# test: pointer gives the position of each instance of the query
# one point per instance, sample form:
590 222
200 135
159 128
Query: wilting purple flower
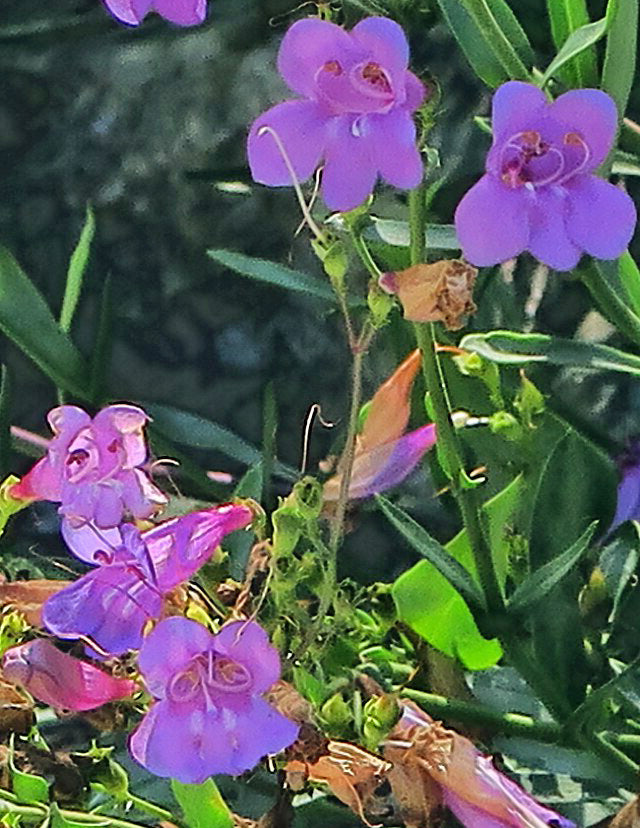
539 192
93 468
209 716
180 12
61 680
112 604
357 97
478 795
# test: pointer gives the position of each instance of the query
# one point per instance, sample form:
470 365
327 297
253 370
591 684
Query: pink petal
397 157
492 222
601 218
591 113
42 482
415 91
181 12
128 421
85 539
301 127
350 169
386 43
307 46
548 240
61 680
248 644
67 420
515 107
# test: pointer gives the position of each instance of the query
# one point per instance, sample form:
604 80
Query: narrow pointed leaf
435 553
202 805
75 273
541 582
509 348
27 320
575 45
619 68
565 17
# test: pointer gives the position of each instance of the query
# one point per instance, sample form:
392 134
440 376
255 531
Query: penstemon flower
180 12
540 192
94 468
357 97
112 603
61 680
209 716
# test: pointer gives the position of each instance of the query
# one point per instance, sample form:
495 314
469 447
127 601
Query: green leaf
5 419
575 46
198 432
75 272
431 606
629 275
238 544
542 580
59 820
274 274
619 68
566 16
491 38
510 348
202 805
26 319
625 163
418 537
396 233
101 353
8 505
28 787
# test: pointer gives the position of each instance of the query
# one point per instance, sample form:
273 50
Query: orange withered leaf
438 292
28 597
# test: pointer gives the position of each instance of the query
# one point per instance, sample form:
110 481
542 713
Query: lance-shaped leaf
437 555
202 805
541 582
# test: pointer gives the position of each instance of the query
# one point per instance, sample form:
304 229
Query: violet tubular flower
355 112
180 12
539 192
94 468
209 716
58 679
112 604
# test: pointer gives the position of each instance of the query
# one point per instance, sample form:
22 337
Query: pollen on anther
333 67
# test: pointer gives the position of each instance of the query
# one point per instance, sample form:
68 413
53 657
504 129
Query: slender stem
610 304
447 437
37 813
365 256
348 453
512 724
627 769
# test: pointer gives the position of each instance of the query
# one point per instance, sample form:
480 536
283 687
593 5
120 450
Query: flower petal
548 239
300 126
128 11
168 648
393 138
515 107
492 222
179 547
181 12
59 679
601 217
111 605
350 170
85 539
248 644
386 43
41 482
307 46
593 114
67 420
128 422
415 91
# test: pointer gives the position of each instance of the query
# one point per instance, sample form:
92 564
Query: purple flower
628 503
93 468
180 12
112 604
209 716
539 192
61 680
357 97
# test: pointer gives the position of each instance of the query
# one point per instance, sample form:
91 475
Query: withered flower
438 292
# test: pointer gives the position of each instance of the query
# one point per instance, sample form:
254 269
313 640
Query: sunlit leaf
202 805
565 16
75 273
575 45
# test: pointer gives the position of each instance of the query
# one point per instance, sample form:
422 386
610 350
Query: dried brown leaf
28 597
628 816
16 712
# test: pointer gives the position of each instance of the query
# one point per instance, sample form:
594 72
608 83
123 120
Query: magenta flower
180 12
61 680
539 192
628 501
93 468
209 716
357 97
112 604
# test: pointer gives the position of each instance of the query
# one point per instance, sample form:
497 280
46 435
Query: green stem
148 807
626 768
37 813
348 454
494 35
447 438
610 304
365 256
510 724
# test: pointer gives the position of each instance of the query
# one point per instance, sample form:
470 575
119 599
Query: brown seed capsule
438 292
